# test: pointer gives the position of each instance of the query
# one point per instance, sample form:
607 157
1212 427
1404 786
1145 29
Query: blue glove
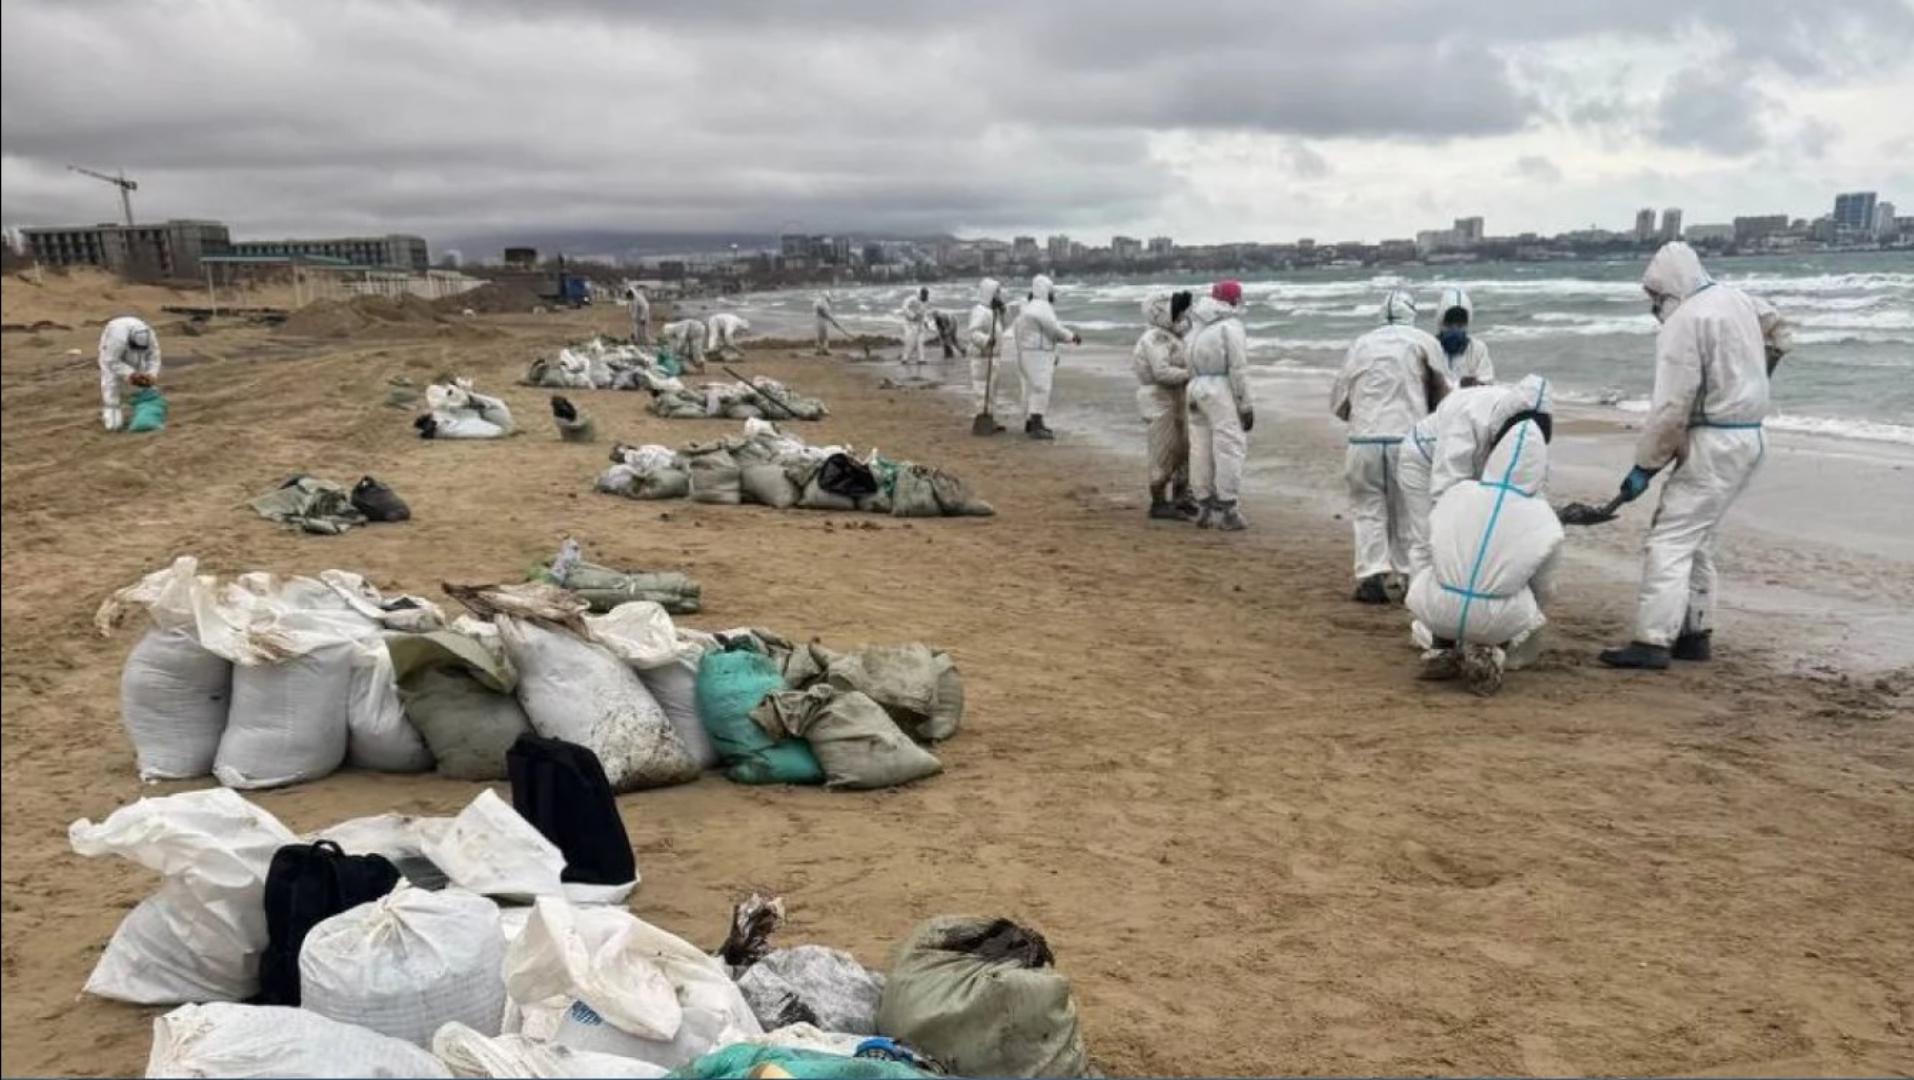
1636 482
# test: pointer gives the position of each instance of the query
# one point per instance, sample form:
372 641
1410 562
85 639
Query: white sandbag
198 938
223 1040
575 690
174 695
464 425
637 991
469 1054
675 687
408 963
379 736
810 1037
288 722
490 850
638 632
837 992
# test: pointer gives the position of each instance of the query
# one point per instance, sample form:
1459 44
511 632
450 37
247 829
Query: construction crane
127 187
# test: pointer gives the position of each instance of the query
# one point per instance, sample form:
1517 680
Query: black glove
563 409
1248 417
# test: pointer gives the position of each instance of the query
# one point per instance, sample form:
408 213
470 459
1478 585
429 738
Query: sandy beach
1255 842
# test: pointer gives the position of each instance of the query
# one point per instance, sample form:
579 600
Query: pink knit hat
1229 292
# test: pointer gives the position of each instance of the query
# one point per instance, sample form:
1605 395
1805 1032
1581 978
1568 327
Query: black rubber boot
1697 647
1164 510
1206 513
1038 430
1637 654
1371 590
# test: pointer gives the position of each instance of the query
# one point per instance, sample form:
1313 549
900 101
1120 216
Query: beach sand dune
1255 842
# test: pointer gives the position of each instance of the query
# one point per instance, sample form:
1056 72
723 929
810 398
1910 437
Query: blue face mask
1454 340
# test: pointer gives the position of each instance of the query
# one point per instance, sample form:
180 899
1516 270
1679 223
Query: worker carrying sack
983 997
306 885
561 789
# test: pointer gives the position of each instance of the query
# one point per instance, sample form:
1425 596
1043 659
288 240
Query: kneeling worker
129 355
1493 543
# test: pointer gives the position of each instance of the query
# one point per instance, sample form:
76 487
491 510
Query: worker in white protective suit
946 325
725 330
129 356
1162 368
1713 356
1220 411
987 329
1467 357
821 307
640 315
1391 378
1452 444
1036 334
1495 542
914 314
686 340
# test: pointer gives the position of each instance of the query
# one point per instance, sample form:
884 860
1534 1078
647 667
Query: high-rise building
1671 223
1854 211
1024 247
1645 224
1469 230
1883 220
1161 246
170 249
1752 229
1059 248
1708 234
1125 247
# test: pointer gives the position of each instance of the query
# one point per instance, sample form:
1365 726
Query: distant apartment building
394 249
1024 247
1671 223
1468 230
1125 247
1435 241
1753 229
1709 234
521 257
1161 246
165 250
1058 247
1854 211
1645 224
1884 220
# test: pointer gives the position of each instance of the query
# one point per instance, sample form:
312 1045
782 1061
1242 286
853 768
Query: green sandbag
149 411
468 727
857 743
982 997
740 1059
730 685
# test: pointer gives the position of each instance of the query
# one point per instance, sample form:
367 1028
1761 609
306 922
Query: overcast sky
1336 119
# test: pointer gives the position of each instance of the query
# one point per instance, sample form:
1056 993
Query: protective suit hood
1041 286
1675 272
1207 310
1156 312
989 289
1534 389
1519 460
1399 307
1455 297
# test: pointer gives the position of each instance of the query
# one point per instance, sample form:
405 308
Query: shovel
1581 513
760 391
855 340
984 423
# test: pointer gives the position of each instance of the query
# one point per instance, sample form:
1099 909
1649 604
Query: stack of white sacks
504 972
262 683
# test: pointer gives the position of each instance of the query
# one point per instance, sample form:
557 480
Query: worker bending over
725 329
129 356
1452 444
686 339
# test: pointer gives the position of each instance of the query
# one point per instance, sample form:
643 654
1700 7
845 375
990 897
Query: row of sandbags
450 970
456 411
762 397
770 468
601 364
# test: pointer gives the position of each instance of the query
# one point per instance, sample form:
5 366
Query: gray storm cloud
461 118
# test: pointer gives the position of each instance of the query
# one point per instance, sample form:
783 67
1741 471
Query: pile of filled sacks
763 397
603 364
771 468
263 683
456 411
395 946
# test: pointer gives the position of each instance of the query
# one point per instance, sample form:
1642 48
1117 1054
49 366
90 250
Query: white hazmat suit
1219 397
914 314
640 316
1472 366
1494 542
1037 333
686 339
1162 369
1452 444
1391 378
128 347
725 329
1711 395
986 331
821 307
